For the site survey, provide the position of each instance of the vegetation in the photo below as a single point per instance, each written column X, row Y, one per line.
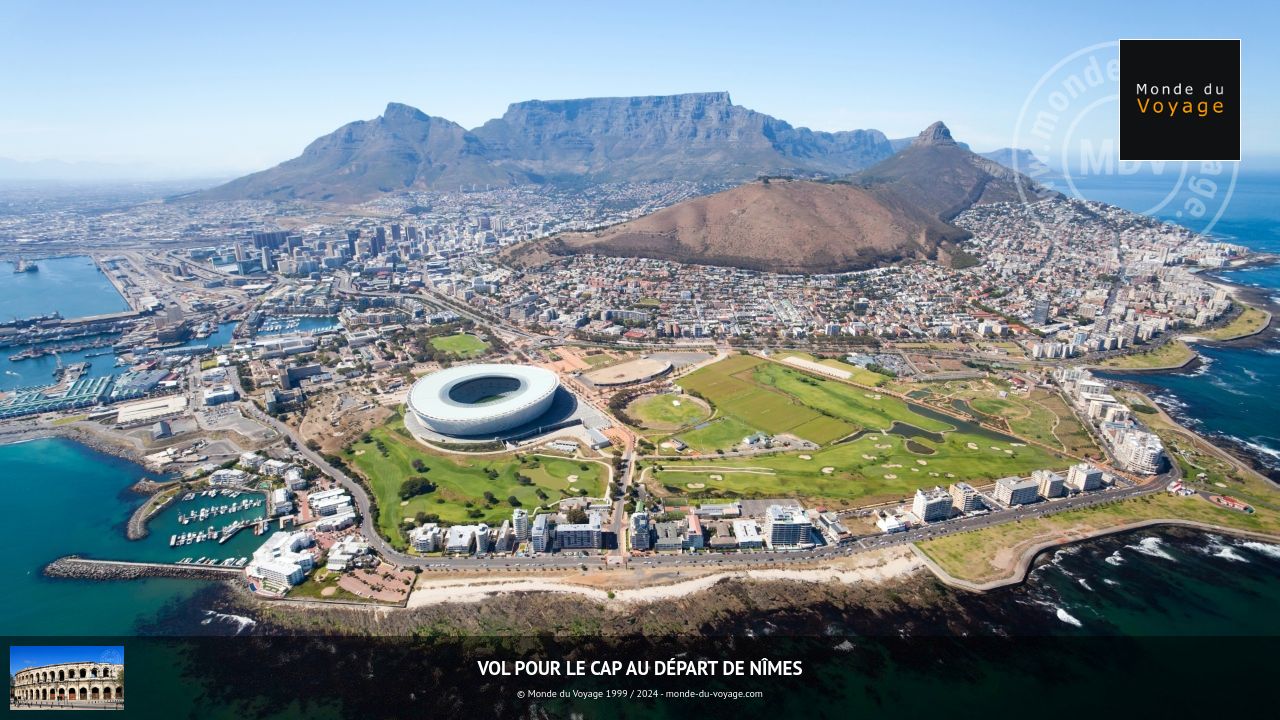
column 1249, row 322
column 667, row 411
column 466, row 489
column 463, row 345
column 900, row 450
column 1174, row 353
column 983, row 555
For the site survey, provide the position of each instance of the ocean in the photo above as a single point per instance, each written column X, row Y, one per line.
column 1231, row 394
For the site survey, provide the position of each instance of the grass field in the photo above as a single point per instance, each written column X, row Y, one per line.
column 1169, row 355
column 985, row 555
column 463, row 345
column 873, row 467
column 1251, row 321
column 461, row 480
column 1038, row 414
column 719, row 434
column 667, row 411
column 862, row 376
column 598, row 360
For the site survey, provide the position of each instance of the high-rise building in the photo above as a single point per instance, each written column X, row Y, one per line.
column 1083, row 477
column 964, row 498
column 786, row 527
column 540, row 536
column 579, row 536
column 352, row 237
column 1048, row 483
column 641, row 532
column 1139, row 451
column 932, row 505
column 520, row 523
column 1016, row 491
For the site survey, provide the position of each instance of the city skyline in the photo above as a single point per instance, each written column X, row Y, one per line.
column 247, row 93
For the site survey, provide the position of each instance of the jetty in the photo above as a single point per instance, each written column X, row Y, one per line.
column 88, row 569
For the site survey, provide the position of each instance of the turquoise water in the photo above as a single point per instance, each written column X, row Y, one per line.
column 63, row 498
column 72, row 286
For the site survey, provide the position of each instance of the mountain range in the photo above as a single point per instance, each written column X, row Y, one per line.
column 896, row 210
column 700, row 137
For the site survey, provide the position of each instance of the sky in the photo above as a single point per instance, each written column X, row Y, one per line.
column 204, row 89
column 22, row 657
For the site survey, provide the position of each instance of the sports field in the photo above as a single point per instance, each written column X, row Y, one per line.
column 667, row 411
column 916, row 450
column 463, row 345
column 461, row 480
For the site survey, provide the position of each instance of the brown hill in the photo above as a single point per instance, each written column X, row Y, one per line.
column 780, row 226
column 897, row 210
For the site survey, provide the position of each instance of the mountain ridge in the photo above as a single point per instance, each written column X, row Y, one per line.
column 701, row 137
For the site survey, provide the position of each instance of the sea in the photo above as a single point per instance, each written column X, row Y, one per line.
column 1231, row 392
column 1098, row 609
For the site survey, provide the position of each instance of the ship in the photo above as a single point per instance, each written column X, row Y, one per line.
column 25, row 266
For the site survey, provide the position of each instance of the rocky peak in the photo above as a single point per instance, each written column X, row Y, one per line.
column 935, row 134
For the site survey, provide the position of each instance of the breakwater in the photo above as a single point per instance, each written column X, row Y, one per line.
column 87, row 569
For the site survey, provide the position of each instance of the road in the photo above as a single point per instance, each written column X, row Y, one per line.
column 562, row 561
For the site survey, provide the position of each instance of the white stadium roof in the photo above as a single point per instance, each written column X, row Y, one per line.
column 470, row 400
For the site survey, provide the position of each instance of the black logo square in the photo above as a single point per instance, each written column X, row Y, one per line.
column 1179, row 99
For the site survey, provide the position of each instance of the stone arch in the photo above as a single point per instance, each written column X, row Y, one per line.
column 96, row 693
column 83, row 672
column 84, row 694
column 94, row 672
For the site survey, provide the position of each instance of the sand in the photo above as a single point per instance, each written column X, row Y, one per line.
column 877, row 566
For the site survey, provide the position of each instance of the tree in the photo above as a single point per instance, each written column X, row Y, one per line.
column 576, row 516
column 415, row 486
column 513, row 501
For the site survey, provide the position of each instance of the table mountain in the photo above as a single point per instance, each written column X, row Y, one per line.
column 700, row 137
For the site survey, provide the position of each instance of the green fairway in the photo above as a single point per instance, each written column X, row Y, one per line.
column 463, row 345
column 720, row 434
column 759, row 394
column 924, row 449
column 1037, row 414
column 461, row 480
column 872, row 468
column 667, row 411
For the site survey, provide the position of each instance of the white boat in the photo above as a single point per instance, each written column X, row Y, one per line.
column 173, row 540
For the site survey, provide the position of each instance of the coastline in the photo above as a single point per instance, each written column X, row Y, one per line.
column 1025, row 561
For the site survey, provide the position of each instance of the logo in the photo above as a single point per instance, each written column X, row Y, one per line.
column 1070, row 124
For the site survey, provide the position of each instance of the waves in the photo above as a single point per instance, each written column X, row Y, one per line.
column 1068, row 618
column 1153, row 547
column 1262, row 548
column 240, row 622
column 1115, row 559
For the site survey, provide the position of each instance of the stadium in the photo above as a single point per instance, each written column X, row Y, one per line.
column 482, row 400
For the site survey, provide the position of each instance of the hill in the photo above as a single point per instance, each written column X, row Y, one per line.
column 896, row 210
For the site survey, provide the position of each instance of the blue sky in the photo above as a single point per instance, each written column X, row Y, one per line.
column 199, row 88
column 22, row 657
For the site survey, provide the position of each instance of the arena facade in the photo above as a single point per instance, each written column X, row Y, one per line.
column 86, row 682
column 482, row 400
